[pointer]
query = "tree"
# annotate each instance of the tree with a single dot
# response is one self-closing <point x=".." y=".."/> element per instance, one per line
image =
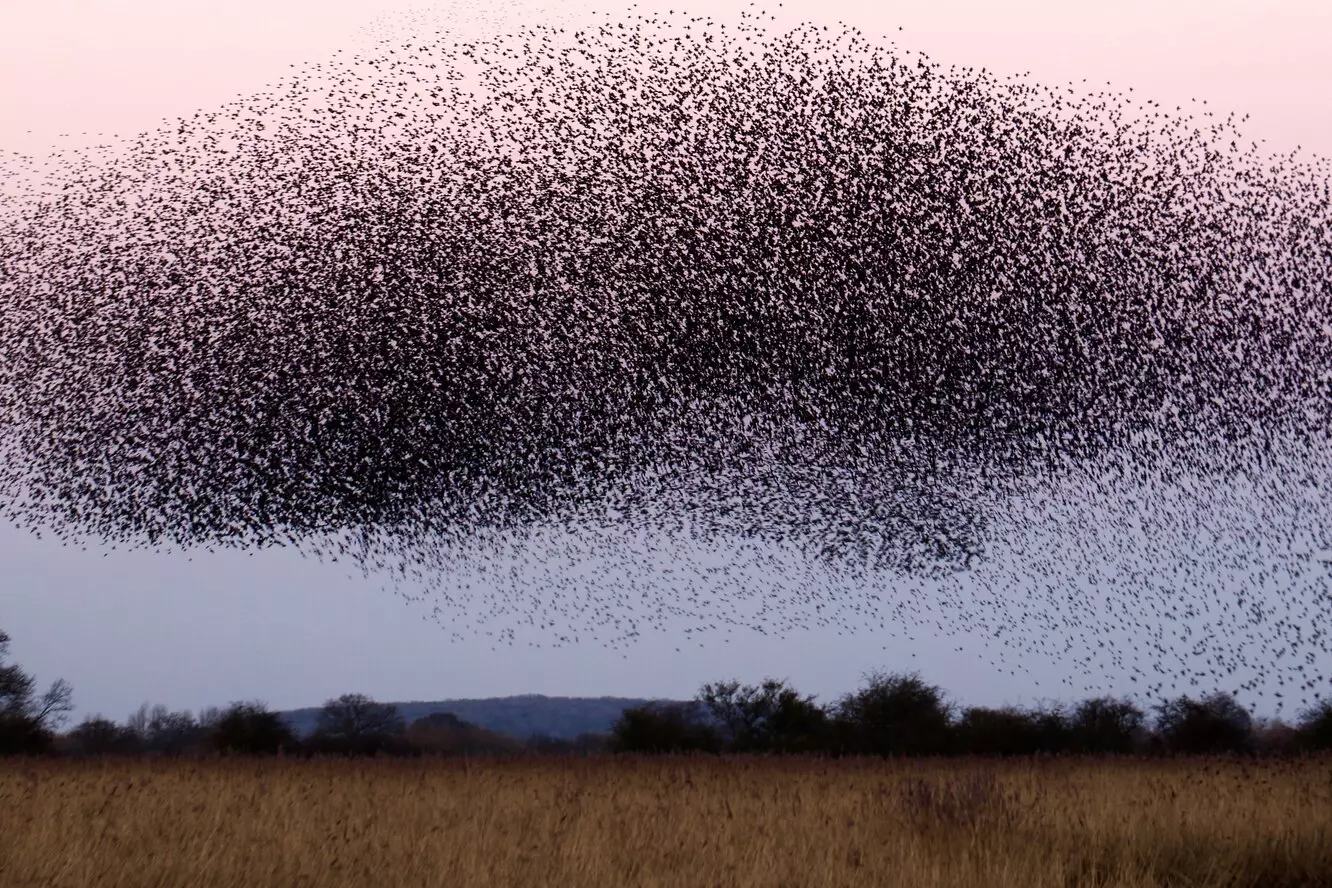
<point x="771" y="717"/>
<point x="1315" y="726"/>
<point x="664" y="728"/>
<point x="1047" y="729"/>
<point x="1107" y="725"/>
<point x="1215" y="724"/>
<point x="26" y="720"/>
<point x="101" y="736"/>
<point x="169" y="733"/>
<point x="252" y="729"/>
<point x="1273" y="737"/>
<point x="209" y="716"/>
<point x="355" y="724"/>
<point x="795" y="724"/>
<point x="894" y="715"/>
<point x="985" y="731"/>
<point x="1050" y="729"/>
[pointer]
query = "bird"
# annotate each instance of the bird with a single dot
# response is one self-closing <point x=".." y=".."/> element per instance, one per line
<point x="659" y="320"/>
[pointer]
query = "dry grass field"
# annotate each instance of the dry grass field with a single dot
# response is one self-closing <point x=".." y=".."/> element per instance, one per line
<point x="665" y="822"/>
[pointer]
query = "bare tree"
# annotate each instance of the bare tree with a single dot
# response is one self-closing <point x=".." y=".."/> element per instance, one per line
<point x="1216" y="723"/>
<point x="56" y="704"/>
<point x="16" y="686"/>
<point x="769" y="717"/>
<point x="353" y="715"/>
<point x="140" y="720"/>
<point x="209" y="716"/>
<point x="101" y="736"/>
<point x="356" y="723"/>
<point x="163" y="731"/>
<point x="18" y="698"/>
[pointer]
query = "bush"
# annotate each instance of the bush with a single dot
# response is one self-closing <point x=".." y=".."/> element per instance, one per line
<point x="24" y="735"/>
<point x="1004" y="732"/>
<point x="771" y="717"/>
<point x="443" y="733"/>
<point x="163" y="732"/>
<point x="252" y="729"/>
<point x="664" y="727"/>
<point x="1275" y="738"/>
<point x="894" y="715"/>
<point x="101" y="736"/>
<point x="368" y="746"/>
<point x="1215" y="724"/>
<point x="1315" y="727"/>
<point x="1107" y="725"/>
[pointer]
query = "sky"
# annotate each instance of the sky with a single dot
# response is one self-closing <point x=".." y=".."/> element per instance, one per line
<point x="198" y="629"/>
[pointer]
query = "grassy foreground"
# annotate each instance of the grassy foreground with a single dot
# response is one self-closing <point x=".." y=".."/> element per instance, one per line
<point x="617" y="822"/>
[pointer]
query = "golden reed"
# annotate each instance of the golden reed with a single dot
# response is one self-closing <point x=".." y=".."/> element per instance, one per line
<point x="624" y="821"/>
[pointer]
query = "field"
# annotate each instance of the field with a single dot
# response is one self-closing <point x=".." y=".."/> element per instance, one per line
<point x="617" y="822"/>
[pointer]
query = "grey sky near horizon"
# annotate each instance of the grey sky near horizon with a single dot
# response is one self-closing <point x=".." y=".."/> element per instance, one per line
<point x="189" y="631"/>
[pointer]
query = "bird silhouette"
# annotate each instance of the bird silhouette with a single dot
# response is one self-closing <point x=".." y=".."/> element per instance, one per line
<point x="660" y="320"/>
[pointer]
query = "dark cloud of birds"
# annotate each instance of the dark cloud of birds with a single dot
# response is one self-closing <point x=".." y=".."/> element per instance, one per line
<point x="802" y="295"/>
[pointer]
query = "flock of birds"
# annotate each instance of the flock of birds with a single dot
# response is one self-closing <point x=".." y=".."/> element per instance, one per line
<point x="663" y="319"/>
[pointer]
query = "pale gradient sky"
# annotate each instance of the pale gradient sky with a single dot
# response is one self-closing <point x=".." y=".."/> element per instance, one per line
<point x="119" y="66"/>
<point x="128" y="627"/>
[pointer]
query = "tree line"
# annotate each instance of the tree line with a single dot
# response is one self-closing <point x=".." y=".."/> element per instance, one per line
<point x="900" y="714"/>
<point x="892" y="714"/>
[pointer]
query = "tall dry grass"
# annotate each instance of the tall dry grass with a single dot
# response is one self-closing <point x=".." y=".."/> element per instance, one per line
<point x="665" y="822"/>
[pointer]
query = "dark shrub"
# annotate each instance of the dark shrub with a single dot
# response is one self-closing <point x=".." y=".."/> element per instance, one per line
<point x="443" y="733"/>
<point x="252" y="729"/>
<point x="1107" y="725"/>
<point x="1315" y="727"/>
<point x="101" y="736"/>
<point x="894" y="715"/>
<point x="664" y="727"/>
<point x="356" y="725"/>
<point x="24" y="735"/>
<point x="1215" y="724"/>
<point x="770" y="717"/>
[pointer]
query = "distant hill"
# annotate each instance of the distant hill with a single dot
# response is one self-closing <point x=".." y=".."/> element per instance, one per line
<point x="563" y="718"/>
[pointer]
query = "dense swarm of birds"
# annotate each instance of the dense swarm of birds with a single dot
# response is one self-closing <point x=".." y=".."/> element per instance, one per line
<point x="706" y="323"/>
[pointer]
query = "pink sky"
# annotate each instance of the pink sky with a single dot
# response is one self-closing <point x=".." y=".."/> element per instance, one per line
<point x="121" y="66"/>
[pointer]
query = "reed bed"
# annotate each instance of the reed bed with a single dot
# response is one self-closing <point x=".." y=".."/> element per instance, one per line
<point x="622" y="821"/>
